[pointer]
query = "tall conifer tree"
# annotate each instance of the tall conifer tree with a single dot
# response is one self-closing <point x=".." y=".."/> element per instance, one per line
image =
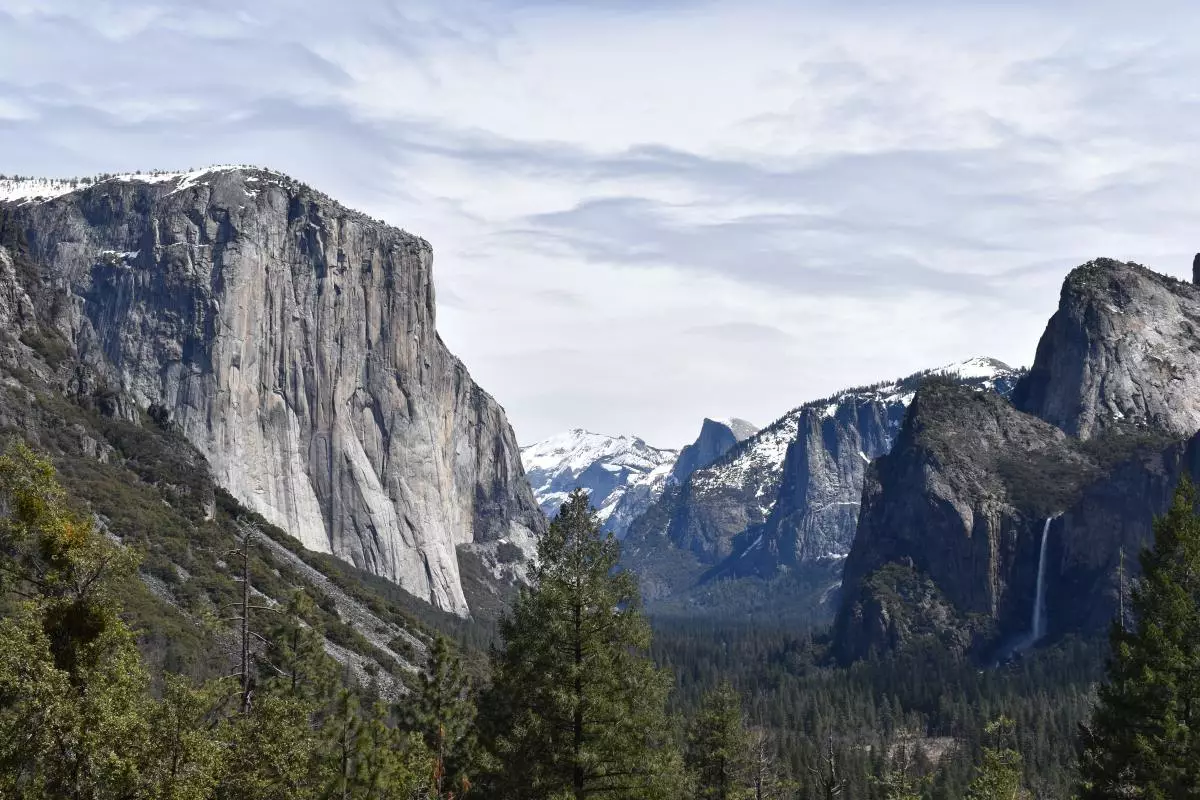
<point x="576" y="709"/>
<point x="442" y="713"/>
<point x="1144" y="738"/>
<point x="718" y="748"/>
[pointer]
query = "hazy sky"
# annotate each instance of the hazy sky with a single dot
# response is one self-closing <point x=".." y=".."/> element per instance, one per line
<point x="648" y="212"/>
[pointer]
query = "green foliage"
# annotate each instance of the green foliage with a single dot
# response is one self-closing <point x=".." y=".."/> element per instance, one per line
<point x="999" y="776"/>
<point x="901" y="780"/>
<point x="49" y="344"/>
<point x="1144" y="738"/>
<point x="73" y="696"/>
<point x="925" y="699"/>
<point x="77" y="717"/>
<point x="718" y="748"/>
<point x="441" y="712"/>
<point x="576" y="709"/>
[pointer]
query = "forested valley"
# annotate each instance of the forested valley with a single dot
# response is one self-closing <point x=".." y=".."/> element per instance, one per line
<point x="578" y="697"/>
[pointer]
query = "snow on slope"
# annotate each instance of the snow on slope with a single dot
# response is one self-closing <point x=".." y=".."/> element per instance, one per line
<point x="622" y="474"/>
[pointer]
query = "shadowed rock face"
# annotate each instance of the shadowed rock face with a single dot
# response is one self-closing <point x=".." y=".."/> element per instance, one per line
<point x="786" y="498"/>
<point x="946" y="504"/>
<point x="293" y="342"/>
<point x="1123" y="347"/>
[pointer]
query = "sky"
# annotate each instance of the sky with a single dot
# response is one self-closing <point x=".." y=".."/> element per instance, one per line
<point x="645" y="213"/>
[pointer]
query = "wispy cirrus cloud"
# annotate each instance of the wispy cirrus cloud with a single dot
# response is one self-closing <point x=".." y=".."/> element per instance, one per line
<point x="645" y="213"/>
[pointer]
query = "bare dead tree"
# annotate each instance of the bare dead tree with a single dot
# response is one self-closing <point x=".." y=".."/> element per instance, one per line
<point x="244" y="674"/>
<point x="827" y="775"/>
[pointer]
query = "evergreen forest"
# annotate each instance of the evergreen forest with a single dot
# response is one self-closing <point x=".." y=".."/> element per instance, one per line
<point x="577" y="693"/>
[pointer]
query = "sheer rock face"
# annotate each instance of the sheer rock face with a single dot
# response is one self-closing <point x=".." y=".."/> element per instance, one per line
<point x="293" y="342"/>
<point x="789" y="494"/>
<point x="1123" y="347"/>
<point x="821" y="486"/>
<point x="786" y="500"/>
<point x="715" y="440"/>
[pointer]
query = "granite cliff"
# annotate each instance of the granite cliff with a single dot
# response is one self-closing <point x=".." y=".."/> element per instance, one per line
<point x="292" y="341"/>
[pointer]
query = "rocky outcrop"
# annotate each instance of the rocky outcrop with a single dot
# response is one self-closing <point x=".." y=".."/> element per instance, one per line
<point x="820" y="489"/>
<point x="715" y="440"/>
<point x="1122" y="348"/>
<point x="293" y="342"/>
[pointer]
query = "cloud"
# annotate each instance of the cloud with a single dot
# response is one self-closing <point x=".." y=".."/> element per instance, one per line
<point x="740" y="333"/>
<point x="611" y="186"/>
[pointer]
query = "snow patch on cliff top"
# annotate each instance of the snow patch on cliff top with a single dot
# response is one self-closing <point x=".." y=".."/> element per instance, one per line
<point x="36" y="190"/>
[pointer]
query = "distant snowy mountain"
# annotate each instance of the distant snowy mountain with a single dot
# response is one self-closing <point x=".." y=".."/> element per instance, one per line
<point x="622" y="474"/>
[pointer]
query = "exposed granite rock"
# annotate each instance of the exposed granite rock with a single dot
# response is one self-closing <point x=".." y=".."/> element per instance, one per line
<point x="715" y="440"/>
<point x="819" y="494"/>
<point x="293" y="342"/>
<point x="16" y="309"/>
<point x="962" y="499"/>
<point x="1122" y="348"/>
<point x="789" y="493"/>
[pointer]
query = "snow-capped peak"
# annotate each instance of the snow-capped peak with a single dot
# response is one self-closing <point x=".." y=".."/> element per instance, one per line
<point x="577" y="449"/>
<point x="756" y="465"/>
<point x="622" y="474"/>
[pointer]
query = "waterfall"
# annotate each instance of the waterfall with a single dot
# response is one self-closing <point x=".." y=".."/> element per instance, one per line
<point x="1038" y="625"/>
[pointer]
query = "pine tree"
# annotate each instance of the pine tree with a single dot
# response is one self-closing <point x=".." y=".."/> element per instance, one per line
<point x="576" y="708"/>
<point x="999" y="776"/>
<point x="388" y="763"/>
<point x="442" y="714"/>
<point x="294" y="661"/>
<point x="1144" y="738"/>
<point x="718" y="748"/>
<point x="765" y="780"/>
<point x="284" y="744"/>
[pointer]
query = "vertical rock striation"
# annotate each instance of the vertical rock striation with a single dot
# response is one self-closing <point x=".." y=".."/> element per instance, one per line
<point x="293" y="341"/>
